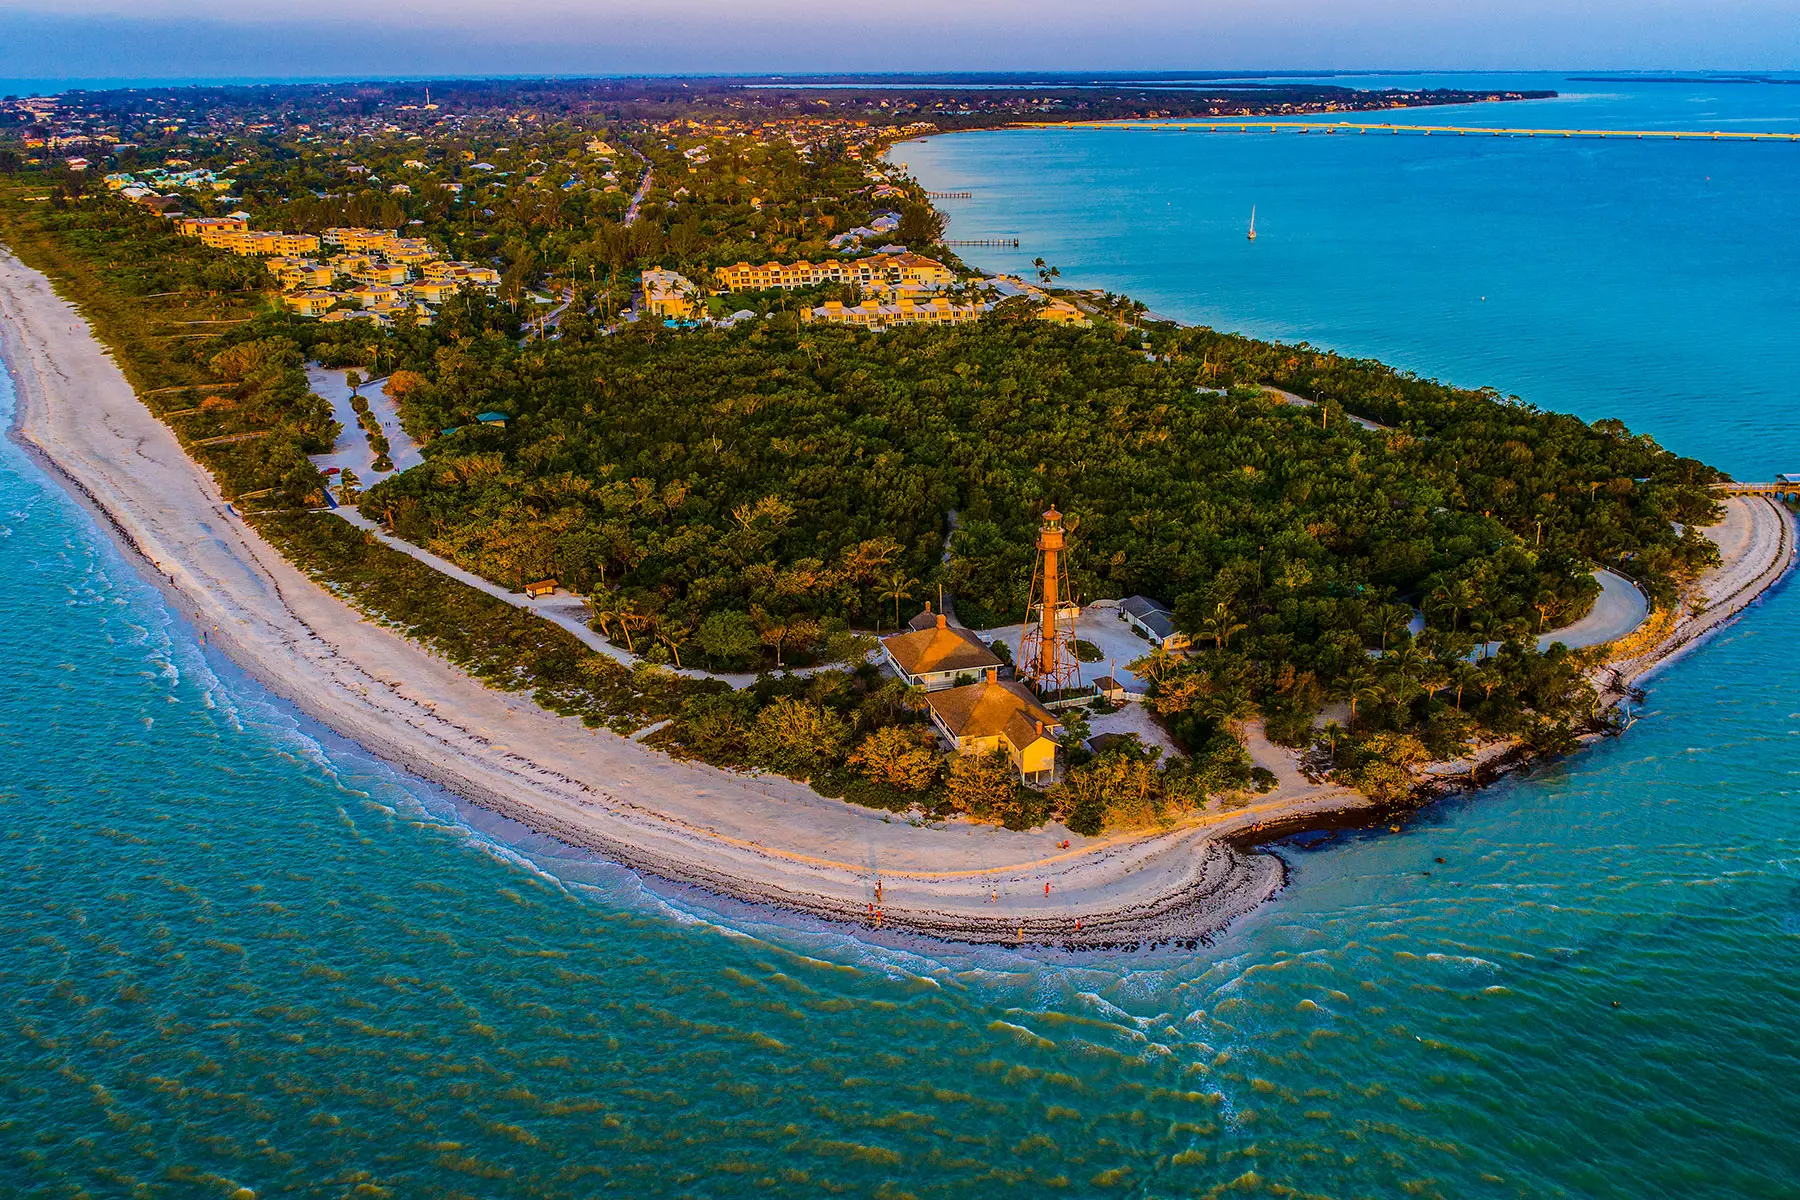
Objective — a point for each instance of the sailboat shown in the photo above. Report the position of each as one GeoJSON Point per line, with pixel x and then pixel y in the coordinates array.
{"type": "Point", "coordinates": [1252, 234]}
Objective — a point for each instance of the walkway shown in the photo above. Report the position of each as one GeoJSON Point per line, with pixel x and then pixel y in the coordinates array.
{"type": "Point", "coordinates": [352, 451]}
{"type": "Point", "coordinates": [561, 607]}
{"type": "Point", "coordinates": [1618, 610]}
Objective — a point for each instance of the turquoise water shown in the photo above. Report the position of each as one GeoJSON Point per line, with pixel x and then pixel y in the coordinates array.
{"type": "Point", "coordinates": [243, 954]}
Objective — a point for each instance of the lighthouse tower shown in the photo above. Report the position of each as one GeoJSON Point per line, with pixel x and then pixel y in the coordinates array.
{"type": "Point", "coordinates": [1047, 654]}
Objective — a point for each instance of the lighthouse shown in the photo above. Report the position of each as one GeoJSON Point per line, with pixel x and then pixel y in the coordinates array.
{"type": "Point", "coordinates": [1047, 654]}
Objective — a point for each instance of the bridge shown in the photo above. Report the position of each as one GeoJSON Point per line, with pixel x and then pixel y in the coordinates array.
{"type": "Point", "coordinates": [1337, 127]}
{"type": "Point", "coordinates": [1781, 489]}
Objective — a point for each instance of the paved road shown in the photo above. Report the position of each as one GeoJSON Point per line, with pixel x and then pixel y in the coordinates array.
{"type": "Point", "coordinates": [637, 197]}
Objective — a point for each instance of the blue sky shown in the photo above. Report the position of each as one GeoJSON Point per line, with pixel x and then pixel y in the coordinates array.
{"type": "Point", "coordinates": [289, 38]}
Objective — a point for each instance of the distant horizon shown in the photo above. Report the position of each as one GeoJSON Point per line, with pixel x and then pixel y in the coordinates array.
{"type": "Point", "coordinates": [340, 40]}
{"type": "Point", "coordinates": [1048, 77]}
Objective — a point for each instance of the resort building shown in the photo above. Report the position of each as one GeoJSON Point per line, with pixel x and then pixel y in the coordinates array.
{"type": "Point", "coordinates": [296, 273]}
{"type": "Point", "coordinates": [368, 295]}
{"type": "Point", "coordinates": [433, 291]}
{"type": "Point", "coordinates": [669, 295]}
{"type": "Point", "coordinates": [871, 314]}
{"type": "Point", "coordinates": [211, 230]}
{"type": "Point", "coordinates": [408, 250]}
{"type": "Point", "coordinates": [989, 715]}
{"type": "Point", "coordinates": [249, 241]}
{"type": "Point", "coordinates": [384, 310]}
{"type": "Point", "coordinates": [234, 234]}
{"type": "Point", "coordinates": [876, 272]}
{"type": "Point", "coordinates": [1153, 622]}
{"type": "Point", "coordinates": [364, 240]}
{"type": "Point", "coordinates": [310, 304]}
{"type": "Point", "coordinates": [373, 271]}
{"type": "Point", "coordinates": [1061, 312]}
{"type": "Point", "coordinates": [463, 275]}
{"type": "Point", "coordinates": [937, 655]}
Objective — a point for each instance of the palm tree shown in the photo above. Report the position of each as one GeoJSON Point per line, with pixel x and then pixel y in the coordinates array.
{"type": "Point", "coordinates": [1220, 627]}
{"type": "Point", "coordinates": [673, 634]}
{"type": "Point", "coordinates": [1466, 675]}
{"type": "Point", "coordinates": [1358, 683]}
{"type": "Point", "coordinates": [1390, 619]}
{"type": "Point", "coordinates": [619, 609]}
{"type": "Point", "coordinates": [1481, 628]}
{"type": "Point", "coordinates": [1458, 596]}
{"type": "Point", "coordinates": [1331, 732]}
{"type": "Point", "coordinates": [899, 587]}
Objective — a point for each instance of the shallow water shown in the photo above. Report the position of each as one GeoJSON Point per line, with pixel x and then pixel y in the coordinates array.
{"type": "Point", "coordinates": [243, 953]}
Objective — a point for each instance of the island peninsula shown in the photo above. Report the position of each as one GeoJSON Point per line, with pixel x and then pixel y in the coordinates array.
{"type": "Point", "coordinates": [743, 486]}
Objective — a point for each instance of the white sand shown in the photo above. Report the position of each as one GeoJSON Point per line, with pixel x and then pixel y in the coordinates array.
{"type": "Point", "coordinates": [761, 840]}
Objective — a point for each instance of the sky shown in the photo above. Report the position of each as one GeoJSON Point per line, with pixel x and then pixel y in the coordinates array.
{"type": "Point", "coordinates": [183, 39]}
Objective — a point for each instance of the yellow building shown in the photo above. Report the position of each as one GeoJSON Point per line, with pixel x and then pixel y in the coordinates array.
{"type": "Point", "coordinates": [979, 718]}
{"type": "Point", "coordinates": [364, 240]}
{"type": "Point", "coordinates": [875, 272]}
{"type": "Point", "coordinates": [934, 653]}
{"type": "Point", "coordinates": [250, 241]}
{"type": "Point", "coordinates": [745, 278]}
{"type": "Point", "coordinates": [1061, 312]}
{"type": "Point", "coordinates": [432, 291]}
{"type": "Point", "coordinates": [371, 294]}
{"type": "Point", "coordinates": [409, 250]}
{"type": "Point", "coordinates": [461, 275]}
{"type": "Point", "coordinates": [377, 271]}
{"type": "Point", "coordinates": [310, 304]}
{"type": "Point", "coordinates": [871, 314]}
{"type": "Point", "coordinates": [384, 310]}
{"type": "Point", "coordinates": [210, 230]}
{"type": "Point", "coordinates": [297, 273]}
{"type": "Point", "coordinates": [899, 271]}
{"type": "Point", "coordinates": [667, 294]}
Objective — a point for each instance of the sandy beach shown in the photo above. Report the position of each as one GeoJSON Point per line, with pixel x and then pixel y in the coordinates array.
{"type": "Point", "coordinates": [755, 839]}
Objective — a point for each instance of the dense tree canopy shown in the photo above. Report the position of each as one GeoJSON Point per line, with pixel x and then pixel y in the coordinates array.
{"type": "Point", "coordinates": [792, 473]}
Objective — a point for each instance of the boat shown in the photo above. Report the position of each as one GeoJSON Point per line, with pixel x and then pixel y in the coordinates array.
{"type": "Point", "coordinates": [1252, 234]}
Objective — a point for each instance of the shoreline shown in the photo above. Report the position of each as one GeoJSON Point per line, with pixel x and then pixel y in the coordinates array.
{"type": "Point", "coordinates": [756, 840]}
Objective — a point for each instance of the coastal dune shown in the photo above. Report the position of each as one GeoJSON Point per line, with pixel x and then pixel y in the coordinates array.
{"type": "Point", "coordinates": [752, 838]}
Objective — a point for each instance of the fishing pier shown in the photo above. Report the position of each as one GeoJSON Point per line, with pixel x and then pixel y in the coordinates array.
{"type": "Point", "coordinates": [1363, 129]}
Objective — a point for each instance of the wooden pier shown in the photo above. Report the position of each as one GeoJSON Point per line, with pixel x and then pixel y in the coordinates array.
{"type": "Point", "coordinates": [1337, 127]}
{"type": "Point", "coordinates": [1780, 489]}
{"type": "Point", "coordinates": [1007, 243]}
{"type": "Point", "coordinates": [949, 195]}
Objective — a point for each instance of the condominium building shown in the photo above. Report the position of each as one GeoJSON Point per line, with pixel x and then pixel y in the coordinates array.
{"type": "Point", "coordinates": [875, 272]}
{"type": "Point", "coordinates": [667, 294]}
{"type": "Point", "coordinates": [872, 314]}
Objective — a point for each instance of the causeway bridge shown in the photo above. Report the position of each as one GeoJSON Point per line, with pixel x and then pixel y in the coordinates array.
{"type": "Point", "coordinates": [1365, 128]}
{"type": "Point", "coordinates": [1781, 489]}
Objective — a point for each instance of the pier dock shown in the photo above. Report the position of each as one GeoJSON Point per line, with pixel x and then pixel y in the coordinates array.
{"type": "Point", "coordinates": [1337, 127]}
